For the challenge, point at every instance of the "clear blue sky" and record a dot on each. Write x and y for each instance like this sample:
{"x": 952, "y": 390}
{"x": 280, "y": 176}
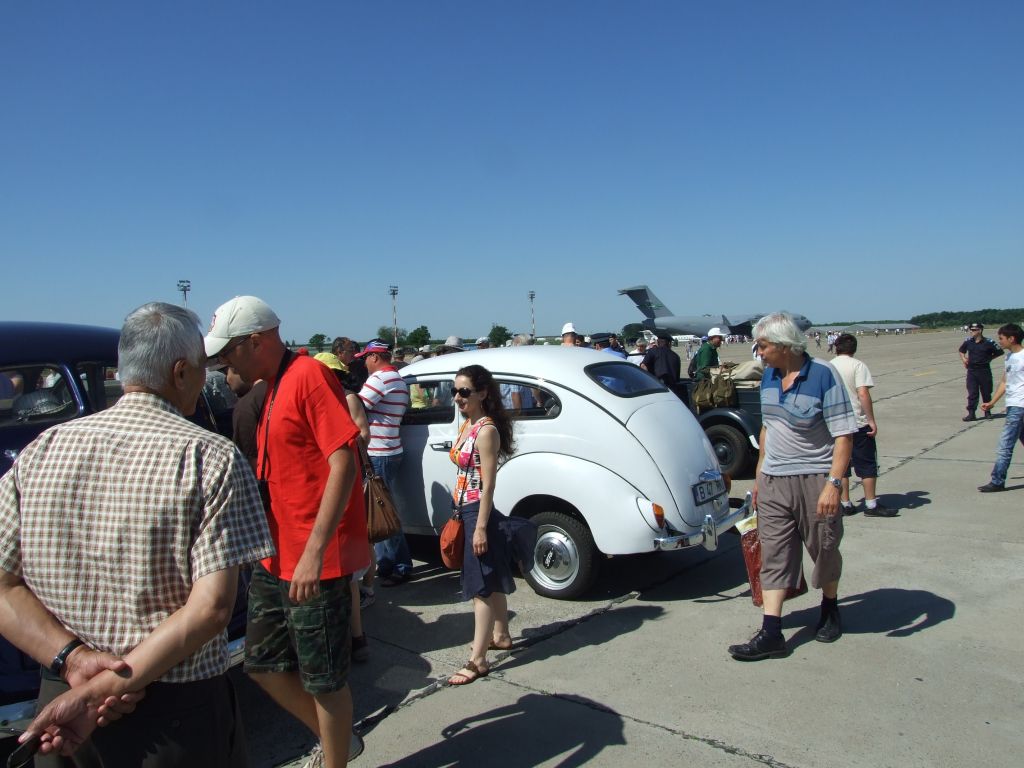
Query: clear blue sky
{"x": 846, "y": 160}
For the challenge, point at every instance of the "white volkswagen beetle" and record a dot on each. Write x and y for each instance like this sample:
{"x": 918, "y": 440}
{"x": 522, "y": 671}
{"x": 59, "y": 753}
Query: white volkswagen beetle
{"x": 607, "y": 460}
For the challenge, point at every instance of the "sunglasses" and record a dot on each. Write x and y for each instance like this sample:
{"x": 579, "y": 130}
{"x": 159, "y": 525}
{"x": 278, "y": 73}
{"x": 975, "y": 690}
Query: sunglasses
{"x": 465, "y": 392}
{"x": 225, "y": 353}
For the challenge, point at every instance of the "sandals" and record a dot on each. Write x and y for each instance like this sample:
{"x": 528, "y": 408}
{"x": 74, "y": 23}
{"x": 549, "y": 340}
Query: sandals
{"x": 474, "y": 673}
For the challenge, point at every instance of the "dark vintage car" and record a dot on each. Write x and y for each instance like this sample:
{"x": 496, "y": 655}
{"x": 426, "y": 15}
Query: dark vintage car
{"x": 51, "y": 373}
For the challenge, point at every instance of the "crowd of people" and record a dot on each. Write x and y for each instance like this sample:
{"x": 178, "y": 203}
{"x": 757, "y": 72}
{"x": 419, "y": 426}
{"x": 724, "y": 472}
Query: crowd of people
{"x": 125, "y": 610}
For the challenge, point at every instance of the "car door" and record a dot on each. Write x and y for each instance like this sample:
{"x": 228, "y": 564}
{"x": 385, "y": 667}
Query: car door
{"x": 423, "y": 489}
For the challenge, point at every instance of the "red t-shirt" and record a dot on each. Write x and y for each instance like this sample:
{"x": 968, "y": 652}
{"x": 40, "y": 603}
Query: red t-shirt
{"x": 309, "y": 422}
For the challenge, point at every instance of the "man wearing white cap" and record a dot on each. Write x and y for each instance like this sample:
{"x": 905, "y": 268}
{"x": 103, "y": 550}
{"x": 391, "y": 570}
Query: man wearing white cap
{"x": 707, "y": 355}
{"x": 569, "y": 335}
{"x": 306, "y": 468}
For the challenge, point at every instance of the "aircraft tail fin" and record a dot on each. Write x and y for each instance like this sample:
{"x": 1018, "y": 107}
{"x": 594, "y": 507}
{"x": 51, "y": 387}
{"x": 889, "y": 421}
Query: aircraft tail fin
{"x": 646, "y": 301}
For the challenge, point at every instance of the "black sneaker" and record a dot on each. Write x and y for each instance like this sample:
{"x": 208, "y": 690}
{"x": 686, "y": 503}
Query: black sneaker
{"x": 988, "y": 414}
{"x": 829, "y": 629}
{"x": 969, "y": 417}
{"x": 761, "y": 646}
{"x": 848, "y": 510}
{"x": 879, "y": 510}
{"x": 991, "y": 488}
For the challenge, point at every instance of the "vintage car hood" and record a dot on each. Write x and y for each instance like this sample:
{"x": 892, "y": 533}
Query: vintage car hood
{"x": 676, "y": 442}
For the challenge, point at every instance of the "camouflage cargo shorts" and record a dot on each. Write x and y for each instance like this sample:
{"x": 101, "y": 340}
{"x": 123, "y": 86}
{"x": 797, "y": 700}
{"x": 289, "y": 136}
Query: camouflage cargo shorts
{"x": 312, "y": 638}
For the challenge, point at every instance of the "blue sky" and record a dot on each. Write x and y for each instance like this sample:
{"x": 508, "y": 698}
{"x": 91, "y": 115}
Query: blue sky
{"x": 845, "y": 160}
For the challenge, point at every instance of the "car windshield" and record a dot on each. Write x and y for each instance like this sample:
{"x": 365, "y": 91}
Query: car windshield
{"x": 624, "y": 379}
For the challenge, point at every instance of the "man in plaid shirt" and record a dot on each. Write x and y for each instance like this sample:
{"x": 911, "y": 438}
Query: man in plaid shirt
{"x": 121, "y": 535}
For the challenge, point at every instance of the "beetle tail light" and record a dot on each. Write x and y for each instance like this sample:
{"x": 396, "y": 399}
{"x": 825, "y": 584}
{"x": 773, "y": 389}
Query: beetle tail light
{"x": 728, "y": 482}
{"x": 659, "y": 514}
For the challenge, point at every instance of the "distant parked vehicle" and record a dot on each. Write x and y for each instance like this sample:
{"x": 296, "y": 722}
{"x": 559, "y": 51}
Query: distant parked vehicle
{"x": 608, "y": 461}
{"x": 52, "y": 373}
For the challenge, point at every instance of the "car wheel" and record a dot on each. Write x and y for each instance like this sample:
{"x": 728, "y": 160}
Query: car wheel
{"x": 565, "y": 559}
{"x": 730, "y": 447}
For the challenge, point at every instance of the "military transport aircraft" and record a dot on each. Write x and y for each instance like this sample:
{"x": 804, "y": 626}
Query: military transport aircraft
{"x": 657, "y": 317}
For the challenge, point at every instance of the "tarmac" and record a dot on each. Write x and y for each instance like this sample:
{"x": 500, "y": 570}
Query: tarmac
{"x": 927, "y": 673}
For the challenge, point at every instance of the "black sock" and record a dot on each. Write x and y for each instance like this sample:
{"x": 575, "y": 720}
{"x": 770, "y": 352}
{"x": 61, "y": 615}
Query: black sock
{"x": 772, "y": 625}
{"x": 829, "y": 605}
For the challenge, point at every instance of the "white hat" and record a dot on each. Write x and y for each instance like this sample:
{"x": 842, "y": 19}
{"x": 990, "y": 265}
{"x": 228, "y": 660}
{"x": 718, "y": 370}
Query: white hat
{"x": 568, "y": 328}
{"x": 483, "y": 340}
{"x": 454, "y": 342}
{"x": 426, "y": 348}
{"x": 716, "y": 331}
{"x": 239, "y": 317}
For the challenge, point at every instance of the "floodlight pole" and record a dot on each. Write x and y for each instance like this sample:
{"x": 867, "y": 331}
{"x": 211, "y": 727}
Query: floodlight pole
{"x": 533, "y": 321}
{"x": 185, "y": 286}
{"x": 393, "y": 290}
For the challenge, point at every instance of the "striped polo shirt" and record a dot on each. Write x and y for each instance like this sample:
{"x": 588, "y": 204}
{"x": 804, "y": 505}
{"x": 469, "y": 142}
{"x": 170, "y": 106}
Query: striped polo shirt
{"x": 801, "y": 423}
{"x": 385, "y": 396}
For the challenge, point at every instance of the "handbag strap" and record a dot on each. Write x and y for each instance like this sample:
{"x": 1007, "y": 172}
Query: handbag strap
{"x": 286, "y": 360}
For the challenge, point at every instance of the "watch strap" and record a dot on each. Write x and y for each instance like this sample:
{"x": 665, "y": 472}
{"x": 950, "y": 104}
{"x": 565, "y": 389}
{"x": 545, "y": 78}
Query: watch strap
{"x": 57, "y": 665}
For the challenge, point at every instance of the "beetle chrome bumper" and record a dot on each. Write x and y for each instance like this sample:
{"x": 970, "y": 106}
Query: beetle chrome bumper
{"x": 707, "y": 536}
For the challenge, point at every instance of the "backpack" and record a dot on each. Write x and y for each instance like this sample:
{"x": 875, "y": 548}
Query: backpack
{"x": 723, "y": 391}
{"x": 704, "y": 394}
{"x": 691, "y": 369}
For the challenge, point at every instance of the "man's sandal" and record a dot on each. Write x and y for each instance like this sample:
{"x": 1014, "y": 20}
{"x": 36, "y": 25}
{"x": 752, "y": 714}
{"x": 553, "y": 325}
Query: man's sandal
{"x": 461, "y": 678}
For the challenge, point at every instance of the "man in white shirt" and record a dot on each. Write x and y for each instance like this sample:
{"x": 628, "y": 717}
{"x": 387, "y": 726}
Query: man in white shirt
{"x": 858, "y": 382}
{"x": 1012, "y": 385}
{"x": 385, "y": 397}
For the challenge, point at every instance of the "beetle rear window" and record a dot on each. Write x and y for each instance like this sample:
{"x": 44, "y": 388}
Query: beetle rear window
{"x": 624, "y": 379}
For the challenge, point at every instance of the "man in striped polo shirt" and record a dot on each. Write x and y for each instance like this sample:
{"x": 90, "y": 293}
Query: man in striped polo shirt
{"x": 806, "y": 442}
{"x": 385, "y": 396}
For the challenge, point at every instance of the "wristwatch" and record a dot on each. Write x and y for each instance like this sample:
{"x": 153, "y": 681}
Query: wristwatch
{"x": 835, "y": 482}
{"x": 57, "y": 665}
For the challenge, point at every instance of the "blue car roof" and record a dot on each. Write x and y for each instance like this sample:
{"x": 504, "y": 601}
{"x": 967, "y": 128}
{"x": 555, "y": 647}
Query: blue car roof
{"x": 23, "y": 342}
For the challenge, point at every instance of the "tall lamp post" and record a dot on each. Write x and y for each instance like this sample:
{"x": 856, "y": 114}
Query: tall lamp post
{"x": 185, "y": 286}
{"x": 393, "y": 290}
{"x": 533, "y": 322}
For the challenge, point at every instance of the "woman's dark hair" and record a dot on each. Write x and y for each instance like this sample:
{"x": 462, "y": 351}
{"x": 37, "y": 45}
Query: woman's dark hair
{"x": 493, "y": 407}
{"x": 356, "y": 376}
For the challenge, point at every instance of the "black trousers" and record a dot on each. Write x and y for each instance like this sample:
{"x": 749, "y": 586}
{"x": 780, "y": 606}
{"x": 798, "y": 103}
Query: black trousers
{"x": 979, "y": 380}
{"x": 177, "y": 724}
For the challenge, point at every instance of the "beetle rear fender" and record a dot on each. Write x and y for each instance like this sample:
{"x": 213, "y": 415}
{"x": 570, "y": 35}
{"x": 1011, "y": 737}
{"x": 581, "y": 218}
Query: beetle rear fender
{"x": 604, "y": 501}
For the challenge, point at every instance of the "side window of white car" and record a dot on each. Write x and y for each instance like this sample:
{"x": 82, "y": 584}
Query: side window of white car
{"x": 624, "y": 379}
{"x": 430, "y": 402}
{"x": 526, "y": 402}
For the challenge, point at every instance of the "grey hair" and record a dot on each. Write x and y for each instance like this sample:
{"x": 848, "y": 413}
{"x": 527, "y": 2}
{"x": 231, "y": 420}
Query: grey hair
{"x": 522, "y": 340}
{"x": 153, "y": 338}
{"x": 780, "y": 328}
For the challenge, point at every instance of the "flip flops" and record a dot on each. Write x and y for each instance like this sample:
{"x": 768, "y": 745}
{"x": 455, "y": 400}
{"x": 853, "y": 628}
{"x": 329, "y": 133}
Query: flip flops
{"x": 475, "y": 674}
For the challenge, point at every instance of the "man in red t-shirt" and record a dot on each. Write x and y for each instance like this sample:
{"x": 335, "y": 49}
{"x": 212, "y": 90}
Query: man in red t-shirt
{"x": 297, "y": 639}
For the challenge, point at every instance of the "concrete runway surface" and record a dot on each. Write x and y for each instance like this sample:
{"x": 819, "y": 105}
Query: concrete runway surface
{"x": 928, "y": 672}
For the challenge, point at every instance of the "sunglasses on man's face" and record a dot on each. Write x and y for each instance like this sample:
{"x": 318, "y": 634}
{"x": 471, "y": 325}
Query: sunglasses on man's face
{"x": 464, "y": 392}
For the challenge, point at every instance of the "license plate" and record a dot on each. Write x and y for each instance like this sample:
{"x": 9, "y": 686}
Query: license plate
{"x": 706, "y": 490}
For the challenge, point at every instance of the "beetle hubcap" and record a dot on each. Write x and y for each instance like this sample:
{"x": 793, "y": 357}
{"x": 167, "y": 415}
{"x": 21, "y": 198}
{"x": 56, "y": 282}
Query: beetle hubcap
{"x": 556, "y": 560}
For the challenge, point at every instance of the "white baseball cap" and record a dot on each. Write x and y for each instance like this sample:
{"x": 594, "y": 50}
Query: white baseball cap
{"x": 568, "y": 328}
{"x": 239, "y": 317}
{"x": 716, "y": 331}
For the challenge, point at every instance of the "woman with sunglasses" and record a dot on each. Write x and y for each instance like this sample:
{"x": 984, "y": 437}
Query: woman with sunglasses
{"x": 485, "y": 438}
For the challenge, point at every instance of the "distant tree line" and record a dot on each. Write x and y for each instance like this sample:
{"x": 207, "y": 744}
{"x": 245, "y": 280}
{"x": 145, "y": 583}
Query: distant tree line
{"x": 990, "y": 318}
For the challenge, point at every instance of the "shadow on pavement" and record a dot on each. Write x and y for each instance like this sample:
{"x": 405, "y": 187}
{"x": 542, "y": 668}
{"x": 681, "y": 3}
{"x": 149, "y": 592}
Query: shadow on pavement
{"x": 891, "y": 612}
{"x": 600, "y": 628}
{"x": 908, "y": 500}
{"x": 521, "y": 734}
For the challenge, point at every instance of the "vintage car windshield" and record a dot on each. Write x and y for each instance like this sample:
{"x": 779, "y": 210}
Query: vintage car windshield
{"x": 624, "y": 379}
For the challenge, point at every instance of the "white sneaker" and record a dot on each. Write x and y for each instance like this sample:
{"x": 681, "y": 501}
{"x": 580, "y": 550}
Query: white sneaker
{"x": 366, "y": 597}
{"x": 315, "y": 758}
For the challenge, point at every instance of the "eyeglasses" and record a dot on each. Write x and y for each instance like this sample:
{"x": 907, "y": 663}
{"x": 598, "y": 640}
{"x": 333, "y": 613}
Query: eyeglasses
{"x": 225, "y": 353}
{"x": 465, "y": 392}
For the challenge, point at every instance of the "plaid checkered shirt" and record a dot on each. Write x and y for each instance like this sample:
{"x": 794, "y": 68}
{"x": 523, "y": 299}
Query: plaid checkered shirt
{"x": 111, "y": 518}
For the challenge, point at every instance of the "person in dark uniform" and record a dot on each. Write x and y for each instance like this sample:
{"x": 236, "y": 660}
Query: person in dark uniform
{"x": 977, "y": 354}
{"x": 662, "y": 362}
